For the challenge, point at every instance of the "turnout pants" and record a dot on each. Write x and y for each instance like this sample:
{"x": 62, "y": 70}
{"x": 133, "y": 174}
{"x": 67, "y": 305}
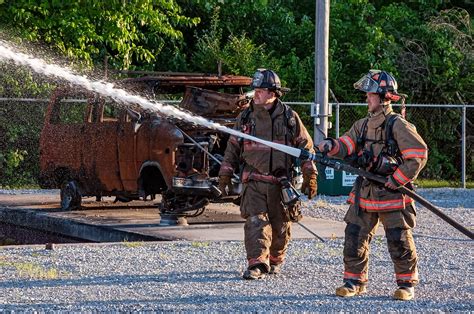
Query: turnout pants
{"x": 359, "y": 232}
{"x": 267, "y": 228}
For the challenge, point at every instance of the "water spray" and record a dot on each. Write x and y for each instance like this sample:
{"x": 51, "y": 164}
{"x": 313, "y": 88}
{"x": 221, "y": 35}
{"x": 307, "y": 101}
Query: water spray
{"x": 108, "y": 90}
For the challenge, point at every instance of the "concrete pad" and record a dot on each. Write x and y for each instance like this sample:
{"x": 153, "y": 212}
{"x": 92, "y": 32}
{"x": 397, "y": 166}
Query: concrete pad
{"x": 137, "y": 221}
{"x": 235, "y": 231}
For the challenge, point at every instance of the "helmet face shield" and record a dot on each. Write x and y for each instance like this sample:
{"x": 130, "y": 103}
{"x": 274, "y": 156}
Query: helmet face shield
{"x": 380, "y": 82}
{"x": 264, "y": 78}
{"x": 257, "y": 79}
{"x": 367, "y": 83}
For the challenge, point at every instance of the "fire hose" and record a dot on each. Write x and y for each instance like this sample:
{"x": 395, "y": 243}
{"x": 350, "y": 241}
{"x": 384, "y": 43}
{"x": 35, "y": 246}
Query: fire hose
{"x": 341, "y": 166}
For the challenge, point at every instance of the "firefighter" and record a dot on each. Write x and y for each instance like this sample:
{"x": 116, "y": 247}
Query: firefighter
{"x": 263, "y": 169}
{"x": 386, "y": 144}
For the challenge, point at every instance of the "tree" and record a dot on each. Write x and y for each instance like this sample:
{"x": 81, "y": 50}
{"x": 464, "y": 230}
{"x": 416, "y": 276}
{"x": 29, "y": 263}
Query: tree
{"x": 426, "y": 44}
{"x": 132, "y": 33}
{"x": 20, "y": 125}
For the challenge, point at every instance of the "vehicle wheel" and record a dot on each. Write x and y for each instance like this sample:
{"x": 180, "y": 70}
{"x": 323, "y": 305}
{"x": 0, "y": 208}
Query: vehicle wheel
{"x": 70, "y": 196}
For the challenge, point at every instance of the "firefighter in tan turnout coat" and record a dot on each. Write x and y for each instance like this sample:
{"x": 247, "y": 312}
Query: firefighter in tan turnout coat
{"x": 386, "y": 144}
{"x": 263, "y": 169}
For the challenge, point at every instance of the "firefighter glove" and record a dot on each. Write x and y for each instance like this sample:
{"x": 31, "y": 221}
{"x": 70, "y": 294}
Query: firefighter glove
{"x": 391, "y": 183}
{"x": 326, "y": 145}
{"x": 225, "y": 184}
{"x": 310, "y": 185}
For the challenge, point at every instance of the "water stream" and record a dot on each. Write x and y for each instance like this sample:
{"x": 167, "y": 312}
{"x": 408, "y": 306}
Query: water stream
{"x": 108, "y": 90}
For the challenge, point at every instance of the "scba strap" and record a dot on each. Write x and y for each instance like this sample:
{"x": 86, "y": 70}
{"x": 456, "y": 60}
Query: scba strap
{"x": 290, "y": 121}
{"x": 390, "y": 143}
{"x": 390, "y": 151}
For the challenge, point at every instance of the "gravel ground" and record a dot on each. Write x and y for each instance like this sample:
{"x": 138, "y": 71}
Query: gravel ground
{"x": 206, "y": 276}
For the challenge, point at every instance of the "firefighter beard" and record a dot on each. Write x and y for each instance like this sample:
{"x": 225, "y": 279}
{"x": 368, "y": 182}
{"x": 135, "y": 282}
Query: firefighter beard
{"x": 267, "y": 227}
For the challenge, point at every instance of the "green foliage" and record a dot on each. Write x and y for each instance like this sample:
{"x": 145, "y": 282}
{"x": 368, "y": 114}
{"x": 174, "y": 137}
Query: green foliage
{"x": 131, "y": 33}
{"x": 272, "y": 34}
{"x": 242, "y": 55}
{"x": 430, "y": 183}
{"x": 238, "y": 55}
{"x": 208, "y": 50}
{"x": 426, "y": 44}
{"x": 434, "y": 59}
{"x": 439, "y": 128}
{"x": 20, "y": 125}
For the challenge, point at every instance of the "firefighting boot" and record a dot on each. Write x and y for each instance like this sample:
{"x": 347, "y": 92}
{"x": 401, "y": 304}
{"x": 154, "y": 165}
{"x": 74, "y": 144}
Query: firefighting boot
{"x": 351, "y": 288}
{"x": 275, "y": 269}
{"x": 404, "y": 293}
{"x": 255, "y": 272}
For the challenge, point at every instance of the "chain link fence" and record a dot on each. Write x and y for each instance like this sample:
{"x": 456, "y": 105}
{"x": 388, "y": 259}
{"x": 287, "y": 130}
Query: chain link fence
{"x": 447, "y": 129}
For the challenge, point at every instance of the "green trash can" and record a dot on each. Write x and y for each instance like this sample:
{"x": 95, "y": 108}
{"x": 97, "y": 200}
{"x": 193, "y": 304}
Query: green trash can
{"x": 332, "y": 182}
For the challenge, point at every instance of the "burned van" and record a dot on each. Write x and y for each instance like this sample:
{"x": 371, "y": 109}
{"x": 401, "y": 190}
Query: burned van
{"x": 93, "y": 146}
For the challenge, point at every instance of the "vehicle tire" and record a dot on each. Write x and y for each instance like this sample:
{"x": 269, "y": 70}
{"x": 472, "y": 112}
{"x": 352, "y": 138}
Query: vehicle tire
{"x": 70, "y": 195}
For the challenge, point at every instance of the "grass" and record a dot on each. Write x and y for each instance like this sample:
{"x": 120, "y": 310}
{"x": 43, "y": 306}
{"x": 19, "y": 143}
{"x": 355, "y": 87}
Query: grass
{"x": 164, "y": 256}
{"x": 379, "y": 240}
{"x": 32, "y": 186}
{"x": 301, "y": 253}
{"x": 320, "y": 203}
{"x": 199, "y": 244}
{"x": 32, "y": 270}
{"x": 36, "y": 271}
{"x": 428, "y": 183}
{"x": 133, "y": 244}
{"x": 319, "y": 245}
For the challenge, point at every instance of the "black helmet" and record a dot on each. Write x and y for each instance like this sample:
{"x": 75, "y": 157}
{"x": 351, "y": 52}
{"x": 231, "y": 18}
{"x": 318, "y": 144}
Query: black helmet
{"x": 380, "y": 82}
{"x": 264, "y": 78}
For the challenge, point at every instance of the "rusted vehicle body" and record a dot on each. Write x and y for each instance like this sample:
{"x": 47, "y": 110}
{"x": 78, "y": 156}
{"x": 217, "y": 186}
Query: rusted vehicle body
{"x": 101, "y": 148}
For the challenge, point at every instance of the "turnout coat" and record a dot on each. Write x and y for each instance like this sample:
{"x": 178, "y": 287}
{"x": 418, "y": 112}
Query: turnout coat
{"x": 261, "y": 162}
{"x": 374, "y": 197}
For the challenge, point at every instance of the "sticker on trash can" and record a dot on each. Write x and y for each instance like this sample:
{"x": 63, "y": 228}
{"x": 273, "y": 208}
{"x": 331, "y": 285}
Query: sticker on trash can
{"x": 348, "y": 179}
{"x": 329, "y": 173}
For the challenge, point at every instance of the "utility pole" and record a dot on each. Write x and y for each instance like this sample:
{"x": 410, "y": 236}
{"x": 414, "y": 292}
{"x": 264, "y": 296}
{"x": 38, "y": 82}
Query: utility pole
{"x": 320, "y": 109}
